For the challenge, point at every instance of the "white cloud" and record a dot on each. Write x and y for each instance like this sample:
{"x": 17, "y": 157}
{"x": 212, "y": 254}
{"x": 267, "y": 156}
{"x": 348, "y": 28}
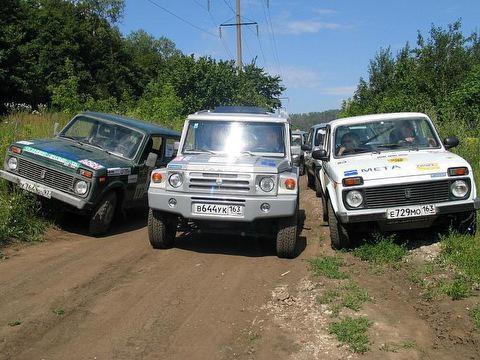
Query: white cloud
{"x": 308, "y": 26}
{"x": 339, "y": 90}
{"x": 297, "y": 77}
{"x": 325, "y": 11}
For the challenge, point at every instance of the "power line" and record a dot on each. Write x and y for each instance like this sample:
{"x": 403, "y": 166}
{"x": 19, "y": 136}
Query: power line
{"x": 273, "y": 41}
{"x": 181, "y": 19}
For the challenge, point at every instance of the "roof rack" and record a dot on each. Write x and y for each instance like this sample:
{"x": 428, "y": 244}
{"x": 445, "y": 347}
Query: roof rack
{"x": 241, "y": 110}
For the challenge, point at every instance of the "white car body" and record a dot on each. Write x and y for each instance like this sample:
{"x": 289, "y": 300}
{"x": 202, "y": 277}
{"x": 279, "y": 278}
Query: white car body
{"x": 390, "y": 173}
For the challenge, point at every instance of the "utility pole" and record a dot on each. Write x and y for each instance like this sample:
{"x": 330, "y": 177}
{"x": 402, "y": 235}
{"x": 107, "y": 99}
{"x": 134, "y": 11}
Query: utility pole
{"x": 238, "y": 24}
{"x": 239, "y": 38}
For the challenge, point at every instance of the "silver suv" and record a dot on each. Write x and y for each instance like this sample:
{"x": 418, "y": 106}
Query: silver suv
{"x": 233, "y": 174}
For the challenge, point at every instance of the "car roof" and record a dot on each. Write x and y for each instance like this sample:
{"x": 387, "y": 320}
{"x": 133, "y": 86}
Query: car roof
{"x": 145, "y": 127}
{"x": 378, "y": 117}
{"x": 298, "y": 132}
{"x": 239, "y": 113}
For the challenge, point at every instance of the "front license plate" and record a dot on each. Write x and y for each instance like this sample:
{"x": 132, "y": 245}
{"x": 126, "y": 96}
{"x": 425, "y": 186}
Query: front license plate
{"x": 218, "y": 209}
{"x": 411, "y": 211}
{"x": 35, "y": 188}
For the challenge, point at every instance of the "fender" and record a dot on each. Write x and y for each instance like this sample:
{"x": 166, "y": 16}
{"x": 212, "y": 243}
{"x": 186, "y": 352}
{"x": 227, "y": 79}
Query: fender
{"x": 117, "y": 186}
{"x": 333, "y": 199}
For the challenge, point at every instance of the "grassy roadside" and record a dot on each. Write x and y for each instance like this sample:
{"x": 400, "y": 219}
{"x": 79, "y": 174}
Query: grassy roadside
{"x": 20, "y": 216}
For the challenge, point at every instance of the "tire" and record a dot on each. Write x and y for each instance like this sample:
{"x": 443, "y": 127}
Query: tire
{"x": 311, "y": 179}
{"x": 162, "y": 229}
{"x": 318, "y": 187}
{"x": 465, "y": 223}
{"x": 103, "y": 215}
{"x": 287, "y": 236}
{"x": 339, "y": 235}
{"x": 324, "y": 210}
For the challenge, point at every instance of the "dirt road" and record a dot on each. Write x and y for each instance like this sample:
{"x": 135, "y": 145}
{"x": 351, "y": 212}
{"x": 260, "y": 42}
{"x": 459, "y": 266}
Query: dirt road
{"x": 76, "y": 297}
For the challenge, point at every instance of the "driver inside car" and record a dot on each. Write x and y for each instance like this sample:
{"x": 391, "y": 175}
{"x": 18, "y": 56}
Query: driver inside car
{"x": 349, "y": 142}
{"x": 405, "y": 134}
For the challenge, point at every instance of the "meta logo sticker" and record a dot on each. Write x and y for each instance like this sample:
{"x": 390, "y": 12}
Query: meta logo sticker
{"x": 350, "y": 173}
{"x": 382, "y": 168}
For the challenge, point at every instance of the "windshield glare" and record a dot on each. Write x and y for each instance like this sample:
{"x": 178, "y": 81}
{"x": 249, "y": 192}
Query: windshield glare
{"x": 296, "y": 140}
{"x": 230, "y": 137}
{"x": 384, "y": 135}
{"x": 113, "y": 138}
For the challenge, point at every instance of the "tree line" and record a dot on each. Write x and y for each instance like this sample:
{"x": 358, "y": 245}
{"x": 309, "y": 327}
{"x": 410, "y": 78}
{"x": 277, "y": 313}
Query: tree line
{"x": 303, "y": 121}
{"x": 439, "y": 76}
{"x": 70, "y": 55}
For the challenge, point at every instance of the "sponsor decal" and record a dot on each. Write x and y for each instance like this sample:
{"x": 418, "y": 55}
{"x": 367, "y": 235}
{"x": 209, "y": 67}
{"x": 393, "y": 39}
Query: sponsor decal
{"x": 132, "y": 179}
{"x": 381, "y": 168}
{"x": 428, "y": 166}
{"x": 23, "y": 142}
{"x": 175, "y": 166}
{"x": 396, "y": 160}
{"x": 350, "y": 173}
{"x": 269, "y": 163}
{"x": 67, "y": 162}
{"x": 219, "y": 159}
{"x": 342, "y": 162}
{"x": 91, "y": 164}
{"x": 439, "y": 174}
{"x": 119, "y": 171}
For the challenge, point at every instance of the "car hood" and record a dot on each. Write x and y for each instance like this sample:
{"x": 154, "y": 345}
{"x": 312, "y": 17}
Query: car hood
{"x": 243, "y": 163}
{"x": 399, "y": 164}
{"x": 69, "y": 154}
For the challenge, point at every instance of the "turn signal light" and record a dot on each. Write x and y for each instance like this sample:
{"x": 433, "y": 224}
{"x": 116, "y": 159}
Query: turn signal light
{"x": 352, "y": 181}
{"x": 86, "y": 173}
{"x": 15, "y": 149}
{"x": 458, "y": 171}
{"x": 157, "y": 177}
{"x": 290, "y": 184}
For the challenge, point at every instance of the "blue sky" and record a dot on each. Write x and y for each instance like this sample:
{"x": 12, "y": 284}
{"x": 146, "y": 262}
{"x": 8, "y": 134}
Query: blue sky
{"x": 322, "y": 47}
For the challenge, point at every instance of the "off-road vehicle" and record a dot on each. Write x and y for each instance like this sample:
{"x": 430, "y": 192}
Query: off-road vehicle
{"x": 98, "y": 165}
{"x": 392, "y": 172}
{"x": 314, "y": 142}
{"x": 298, "y": 158}
{"x": 233, "y": 174}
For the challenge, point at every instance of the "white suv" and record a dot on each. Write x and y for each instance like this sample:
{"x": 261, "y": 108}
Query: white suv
{"x": 393, "y": 172}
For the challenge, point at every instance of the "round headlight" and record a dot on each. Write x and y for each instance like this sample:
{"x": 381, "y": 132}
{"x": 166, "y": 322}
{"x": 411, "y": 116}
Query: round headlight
{"x": 175, "y": 180}
{"x": 81, "y": 187}
{"x": 459, "y": 188}
{"x": 267, "y": 184}
{"x": 12, "y": 163}
{"x": 354, "y": 198}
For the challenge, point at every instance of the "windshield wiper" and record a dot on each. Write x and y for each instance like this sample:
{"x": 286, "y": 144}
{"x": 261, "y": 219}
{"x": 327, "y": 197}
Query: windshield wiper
{"x": 247, "y": 152}
{"x": 202, "y": 151}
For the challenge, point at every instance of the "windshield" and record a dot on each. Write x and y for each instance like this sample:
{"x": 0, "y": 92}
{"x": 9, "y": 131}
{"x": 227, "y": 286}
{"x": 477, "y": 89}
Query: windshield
{"x": 296, "y": 140}
{"x": 319, "y": 137}
{"x": 379, "y": 136}
{"x": 113, "y": 138}
{"x": 230, "y": 137}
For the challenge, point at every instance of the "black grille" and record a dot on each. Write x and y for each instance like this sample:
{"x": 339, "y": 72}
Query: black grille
{"x": 407, "y": 194}
{"x": 46, "y": 176}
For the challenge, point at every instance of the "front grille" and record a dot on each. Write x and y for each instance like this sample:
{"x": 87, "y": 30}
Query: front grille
{"x": 52, "y": 178}
{"x": 217, "y": 182}
{"x": 407, "y": 194}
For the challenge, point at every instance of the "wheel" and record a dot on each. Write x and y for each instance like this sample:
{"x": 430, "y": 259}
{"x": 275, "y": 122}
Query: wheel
{"x": 318, "y": 187}
{"x": 311, "y": 179}
{"x": 161, "y": 229}
{"x": 465, "y": 223}
{"x": 324, "y": 210}
{"x": 103, "y": 215}
{"x": 287, "y": 236}
{"x": 339, "y": 234}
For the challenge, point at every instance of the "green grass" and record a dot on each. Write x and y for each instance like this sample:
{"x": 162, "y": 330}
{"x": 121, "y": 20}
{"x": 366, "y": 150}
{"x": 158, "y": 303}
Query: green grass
{"x": 395, "y": 347}
{"x": 458, "y": 288}
{"x": 382, "y": 251}
{"x": 15, "y": 323}
{"x": 59, "y": 312}
{"x": 463, "y": 252}
{"x": 349, "y": 296}
{"x": 328, "y": 266}
{"x": 352, "y": 332}
{"x": 475, "y": 315}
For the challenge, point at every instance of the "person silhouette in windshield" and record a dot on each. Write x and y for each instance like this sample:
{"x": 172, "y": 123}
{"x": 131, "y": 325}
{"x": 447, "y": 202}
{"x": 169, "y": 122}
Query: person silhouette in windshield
{"x": 272, "y": 141}
{"x": 403, "y": 133}
{"x": 348, "y": 144}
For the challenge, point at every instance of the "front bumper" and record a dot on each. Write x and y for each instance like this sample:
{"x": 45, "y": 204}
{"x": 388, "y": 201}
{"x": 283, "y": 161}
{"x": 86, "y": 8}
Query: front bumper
{"x": 56, "y": 194}
{"x": 379, "y": 215}
{"x": 280, "y": 206}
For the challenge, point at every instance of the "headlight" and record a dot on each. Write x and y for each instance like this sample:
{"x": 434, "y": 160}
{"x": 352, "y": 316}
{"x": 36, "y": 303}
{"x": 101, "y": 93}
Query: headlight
{"x": 354, "y": 198}
{"x": 267, "y": 184}
{"x": 175, "y": 180}
{"x": 459, "y": 188}
{"x": 12, "y": 163}
{"x": 81, "y": 187}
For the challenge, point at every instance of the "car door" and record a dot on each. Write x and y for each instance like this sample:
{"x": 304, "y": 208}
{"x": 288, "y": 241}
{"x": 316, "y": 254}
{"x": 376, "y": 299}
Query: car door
{"x": 308, "y": 154}
{"x": 325, "y": 169}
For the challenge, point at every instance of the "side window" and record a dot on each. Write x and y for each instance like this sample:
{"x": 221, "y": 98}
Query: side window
{"x": 170, "y": 149}
{"x": 327, "y": 141}
{"x": 154, "y": 145}
{"x": 309, "y": 139}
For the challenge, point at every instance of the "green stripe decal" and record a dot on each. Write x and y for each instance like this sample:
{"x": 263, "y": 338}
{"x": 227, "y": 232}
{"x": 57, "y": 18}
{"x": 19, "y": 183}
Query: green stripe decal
{"x": 67, "y": 162}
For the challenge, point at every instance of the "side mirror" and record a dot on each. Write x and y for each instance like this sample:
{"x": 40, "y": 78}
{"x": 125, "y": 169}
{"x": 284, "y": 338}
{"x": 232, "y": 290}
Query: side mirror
{"x": 450, "y": 142}
{"x": 151, "y": 160}
{"x": 55, "y": 129}
{"x": 306, "y": 147}
{"x": 320, "y": 154}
